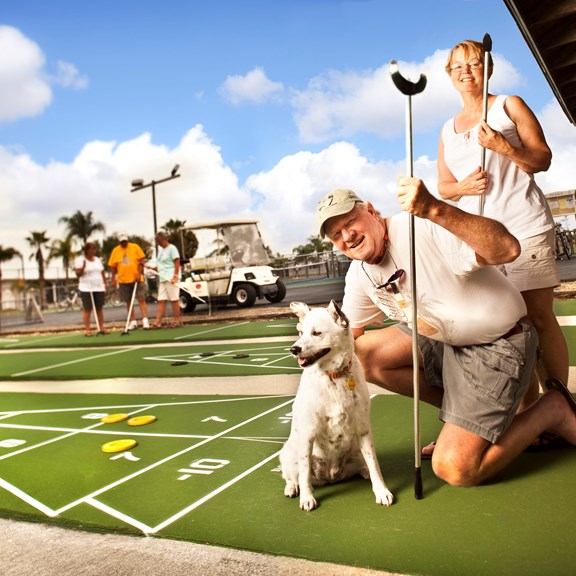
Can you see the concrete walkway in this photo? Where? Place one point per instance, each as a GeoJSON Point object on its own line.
{"type": "Point", "coordinates": [28, 549]}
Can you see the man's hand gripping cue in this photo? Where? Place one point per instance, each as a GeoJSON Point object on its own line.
{"type": "Point", "coordinates": [489, 239]}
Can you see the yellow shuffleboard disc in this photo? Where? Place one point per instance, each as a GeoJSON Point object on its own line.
{"type": "Point", "coordinates": [113, 418]}
{"type": "Point", "coordinates": [118, 445]}
{"type": "Point", "coordinates": [141, 420]}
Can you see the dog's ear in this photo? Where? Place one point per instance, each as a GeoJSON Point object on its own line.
{"type": "Point", "coordinates": [337, 314]}
{"type": "Point", "coordinates": [300, 309]}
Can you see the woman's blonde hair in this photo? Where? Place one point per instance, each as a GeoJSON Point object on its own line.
{"type": "Point", "coordinates": [471, 48]}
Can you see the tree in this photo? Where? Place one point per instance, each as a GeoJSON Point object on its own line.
{"type": "Point", "coordinates": [63, 249]}
{"type": "Point", "coordinates": [6, 254]}
{"type": "Point", "coordinates": [314, 244]}
{"type": "Point", "coordinates": [185, 241]}
{"type": "Point", "coordinates": [37, 241]}
{"type": "Point", "coordinates": [82, 226]}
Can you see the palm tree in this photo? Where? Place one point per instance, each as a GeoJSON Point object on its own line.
{"type": "Point", "coordinates": [82, 226]}
{"type": "Point", "coordinates": [37, 241]}
{"type": "Point", "coordinates": [6, 254]}
{"type": "Point", "coordinates": [63, 249]}
{"type": "Point", "coordinates": [187, 243]}
{"type": "Point", "coordinates": [314, 244]}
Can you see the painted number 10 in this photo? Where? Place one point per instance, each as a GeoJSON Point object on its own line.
{"type": "Point", "coordinates": [203, 467]}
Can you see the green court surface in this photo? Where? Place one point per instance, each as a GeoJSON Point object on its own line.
{"type": "Point", "coordinates": [238, 359]}
{"type": "Point", "coordinates": [183, 335]}
{"type": "Point", "coordinates": [207, 471]}
{"type": "Point", "coordinates": [239, 349]}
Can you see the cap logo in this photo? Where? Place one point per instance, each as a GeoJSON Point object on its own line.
{"type": "Point", "coordinates": [327, 202]}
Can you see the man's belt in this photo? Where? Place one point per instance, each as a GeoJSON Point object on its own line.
{"type": "Point", "coordinates": [516, 329]}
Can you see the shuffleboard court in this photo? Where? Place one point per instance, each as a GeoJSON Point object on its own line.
{"type": "Point", "coordinates": [184, 334]}
{"type": "Point", "coordinates": [206, 470]}
{"type": "Point", "coordinates": [234, 358]}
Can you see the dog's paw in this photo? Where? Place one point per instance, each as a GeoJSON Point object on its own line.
{"type": "Point", "coordinates": [384, 497]}
{"type": "Point", "coordinates": [308, 504]}
{"type": "Point", "coordinates": [291, 489]}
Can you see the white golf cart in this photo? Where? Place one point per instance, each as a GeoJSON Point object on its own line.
{"type": "Point", "coordinates": [237, 270]}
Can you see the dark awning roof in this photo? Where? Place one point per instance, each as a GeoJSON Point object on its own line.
{"type": "Point", "coordinates": [549, 28]}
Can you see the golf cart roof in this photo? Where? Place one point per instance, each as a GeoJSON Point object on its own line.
{"type": "Point", "coordinates": [219, 224]}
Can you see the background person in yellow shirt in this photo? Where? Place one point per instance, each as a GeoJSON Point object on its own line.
{"type": "Point", "coordinates": [126, 263]}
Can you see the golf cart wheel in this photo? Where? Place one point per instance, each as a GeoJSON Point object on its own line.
{"type": "Point", "coordinates": [278, 295]}
{"type": "Point", "coordinates": [244, 295]}
{"type": "Point", "coordinates": [187, 303]}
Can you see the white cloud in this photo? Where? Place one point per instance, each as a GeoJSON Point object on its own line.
{"type": "Point", "coordinates": [291, 191]}
{"type": "Point", "coordinates": [25, 91]}
{"type": "Point", "coordinates": [68, 76]}
{"type": "Point", "coordinates": [26, 86]}
{"type": "Point", "coordinates": [561, 137]}
{"type": "Point", "coordinates": [334, 107]}
{"type": "Point", "coordinates": [342, 104]}
{"type": "Point", "coordinates": [35, 196]}
{"type": "Point", "coordinates": [253, 87]}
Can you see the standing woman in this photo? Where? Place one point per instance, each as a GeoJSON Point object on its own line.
{"type": "Point", "coordinates": [516, 149]}
{"type": "Point", "coordinates": [92, 285]}
{"type": "Point", "coordinates": [168, 270]}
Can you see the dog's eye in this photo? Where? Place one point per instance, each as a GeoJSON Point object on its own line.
{"type": "Point", "coordinates": [316, 333]}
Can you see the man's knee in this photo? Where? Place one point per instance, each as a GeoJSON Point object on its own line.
{"type": "Point", "coordinates": [454, 471]}
{"type": "Point", "coordinates": [388, 347]}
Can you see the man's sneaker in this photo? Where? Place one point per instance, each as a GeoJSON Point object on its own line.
{"type": "Point", "coordinates": [133, 325]}
{"type": "Point", "coordinates": [145, 323]}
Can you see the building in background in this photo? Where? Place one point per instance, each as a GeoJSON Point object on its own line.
{"type": "Point", "coordinates": [563, 207]}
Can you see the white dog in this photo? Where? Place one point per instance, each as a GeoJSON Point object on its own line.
{"type": "Point", "coordinates": [331, 437]}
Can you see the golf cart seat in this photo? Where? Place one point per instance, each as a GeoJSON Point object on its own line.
{"type": "Point", "coordinates": [210, 268]}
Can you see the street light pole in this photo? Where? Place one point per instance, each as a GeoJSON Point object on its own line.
{"type": "Point", "coordinates": [139, 185]}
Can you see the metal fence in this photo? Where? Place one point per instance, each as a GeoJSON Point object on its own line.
{"type": "Point", "coordinates": [309, 266]}
{"type": "Point", "coordinates": [22, 303]}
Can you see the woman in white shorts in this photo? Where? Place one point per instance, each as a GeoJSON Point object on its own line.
{"type": "Point", "coordinates": [168, 268]}
{"type": "Point", "coordinates": [516, 149]}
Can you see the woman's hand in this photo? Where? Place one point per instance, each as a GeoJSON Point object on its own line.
{"type": "Point", "coordinates": [493, 140]}
{"type": "Point", "coordinates": [474, 184]}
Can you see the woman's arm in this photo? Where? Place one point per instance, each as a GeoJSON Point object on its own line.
{"type": "Point", "coordinates": [80, 270]}
{"type": "Point", "coordinates": [449, 188]}
{"type": "Point", "coordinates": [534, 155]}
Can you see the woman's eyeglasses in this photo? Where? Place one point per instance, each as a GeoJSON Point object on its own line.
{"type": "Point", "coordinates": [472, 64]}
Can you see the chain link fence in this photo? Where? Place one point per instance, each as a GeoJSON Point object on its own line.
{"type": "Point", "coordinates": [23, 303]}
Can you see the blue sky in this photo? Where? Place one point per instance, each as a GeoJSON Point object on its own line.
{"type": "Point", "coordinates": [265, 104]}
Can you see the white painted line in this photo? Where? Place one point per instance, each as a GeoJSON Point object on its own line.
{"type": "Point", "coordinates": [80, 360]}
{"type": "Point", "coordinates": [41, 339]}
{"type": "Point", "coordinates": [280, 358]}
{"type": "Point", "coordinates": [217, 329]}
{"type": "Point", "coordinates": [116, 514]}
{"type": "Point", "coordinates": [27, 498]}
{"type": "Point", "coordinates": [566, 320]}
{"type": "Point", "coordinates": [99, 432]}
{"type": "Point", "coordinates": [147, 406]}
{"type": "Point", "coordinates": [46, 442]}
{"type": "Point", "coordinates": [168, 458]}
{"type": "Point", "coordinates": [211, 495]}
{"type": "Point", "coordinates": [59, 438]}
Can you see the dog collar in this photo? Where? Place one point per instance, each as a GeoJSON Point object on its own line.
{"type": "Point", "coordinates": [341, 373]}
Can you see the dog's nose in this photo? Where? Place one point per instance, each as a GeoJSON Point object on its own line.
{"type": "Point", "coordinates": [295, 350]}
